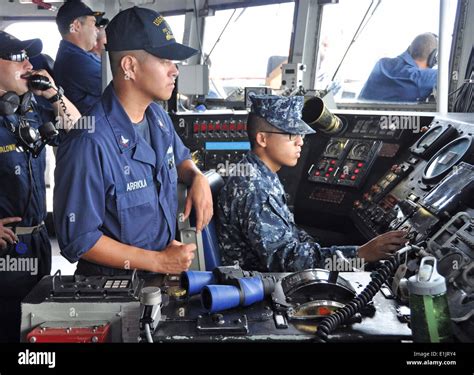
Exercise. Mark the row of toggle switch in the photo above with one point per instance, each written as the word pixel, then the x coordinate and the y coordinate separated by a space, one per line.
pixel 218 129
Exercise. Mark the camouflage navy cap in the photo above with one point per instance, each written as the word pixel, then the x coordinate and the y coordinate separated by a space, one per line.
pixel 283 112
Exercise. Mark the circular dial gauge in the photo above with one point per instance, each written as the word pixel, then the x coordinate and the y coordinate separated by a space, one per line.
pixel 433 140
pixel 442 162
pixel 359 151
pixel 334 148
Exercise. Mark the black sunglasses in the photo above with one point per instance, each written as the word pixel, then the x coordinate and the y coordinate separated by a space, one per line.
pixel 292 137
pixel 16 57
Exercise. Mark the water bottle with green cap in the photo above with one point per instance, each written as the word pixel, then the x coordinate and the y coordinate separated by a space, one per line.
pixel 430 320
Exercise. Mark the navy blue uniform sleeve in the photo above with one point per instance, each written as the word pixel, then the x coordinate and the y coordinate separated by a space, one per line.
pixel 181 152
pixel 427 79
pixel 82 82
pixel 89 76
pixel 348 251
pixel 276 241
pixel 79 197
pixel 45 109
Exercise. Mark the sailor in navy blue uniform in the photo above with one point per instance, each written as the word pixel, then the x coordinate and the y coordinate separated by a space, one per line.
pixel 115 204
pixel 409 77
pixel 76 69
pixel 25 250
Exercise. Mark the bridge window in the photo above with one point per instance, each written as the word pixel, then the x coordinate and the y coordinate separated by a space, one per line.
pixel 177 25
pixel 388 30
pixel 47 31
pixel 255 42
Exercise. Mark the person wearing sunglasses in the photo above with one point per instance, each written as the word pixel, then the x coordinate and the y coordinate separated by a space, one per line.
pixel 255 227
pixel 25 250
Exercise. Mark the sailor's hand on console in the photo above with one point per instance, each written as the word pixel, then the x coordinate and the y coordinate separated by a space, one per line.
pixel 381 247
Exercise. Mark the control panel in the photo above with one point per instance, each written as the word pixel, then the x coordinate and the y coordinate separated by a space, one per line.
pixel 421 182
pixel 340 170
pixel 400 199
pixel 344 162
pixel 381 127
pixel 215 138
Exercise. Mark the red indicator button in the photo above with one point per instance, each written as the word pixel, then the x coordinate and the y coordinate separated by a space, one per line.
pixel 323 311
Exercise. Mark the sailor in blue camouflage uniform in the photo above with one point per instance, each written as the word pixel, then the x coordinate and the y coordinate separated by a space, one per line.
pixel 255 225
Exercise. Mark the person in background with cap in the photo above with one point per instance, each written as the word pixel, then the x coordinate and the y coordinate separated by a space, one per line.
pixel 23 234
pixel 76 70
pixel 254 225
pixel 101 38
pixel 116 207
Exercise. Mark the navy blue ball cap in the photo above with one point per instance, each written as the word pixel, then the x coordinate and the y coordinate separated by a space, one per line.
pixel 72 10
pixel 101 21
pixel 283 112
pixel 144 29
pixel 11 45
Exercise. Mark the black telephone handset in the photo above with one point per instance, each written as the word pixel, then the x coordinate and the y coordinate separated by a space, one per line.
pixel 39 82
